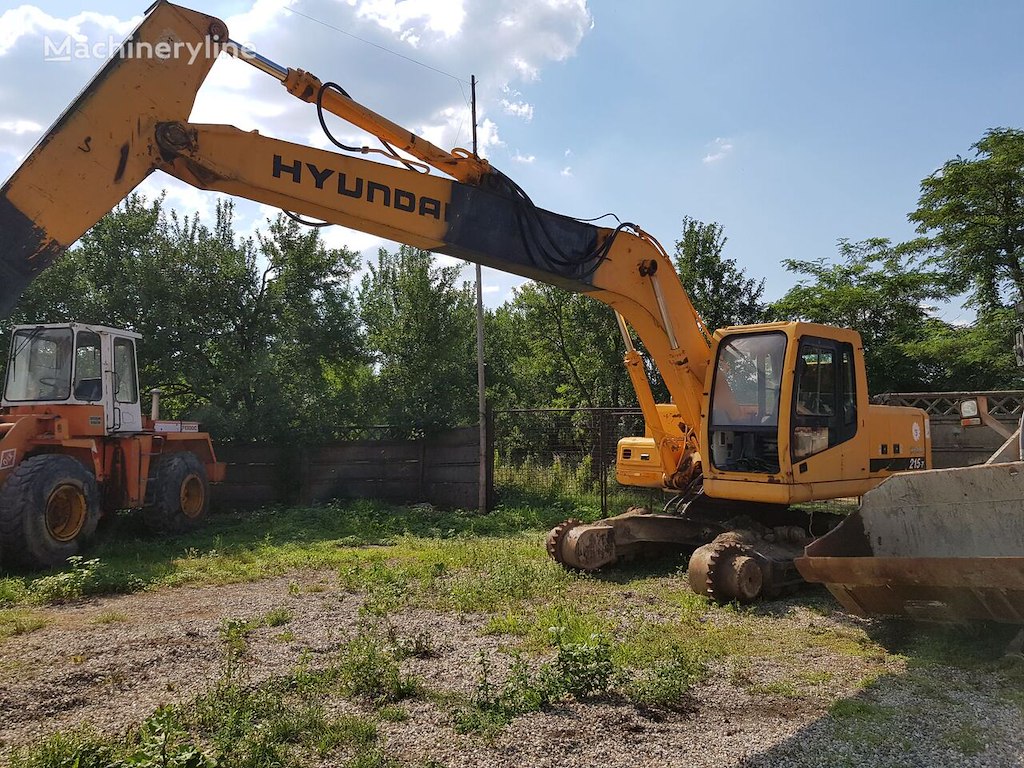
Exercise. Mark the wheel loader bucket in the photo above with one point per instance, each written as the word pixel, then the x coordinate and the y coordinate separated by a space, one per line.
pixel 102 146
pixel 941 545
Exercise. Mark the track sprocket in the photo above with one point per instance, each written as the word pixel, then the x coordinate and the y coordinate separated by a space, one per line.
pixel 726 570
pixel 555 537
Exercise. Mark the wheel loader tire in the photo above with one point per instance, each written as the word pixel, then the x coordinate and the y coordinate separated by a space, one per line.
pixel 181 493
pixel 49 508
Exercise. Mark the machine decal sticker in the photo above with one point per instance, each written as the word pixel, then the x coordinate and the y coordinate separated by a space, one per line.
pixel 7 458
pixel 917 432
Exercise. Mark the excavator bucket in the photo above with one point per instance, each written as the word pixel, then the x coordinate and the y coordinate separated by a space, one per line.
pixel 102 146
pixel 941 545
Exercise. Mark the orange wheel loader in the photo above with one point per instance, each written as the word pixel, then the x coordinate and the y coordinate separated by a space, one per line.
pixel 75 445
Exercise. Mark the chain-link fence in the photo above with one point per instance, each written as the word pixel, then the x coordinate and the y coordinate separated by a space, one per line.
pixel 550 455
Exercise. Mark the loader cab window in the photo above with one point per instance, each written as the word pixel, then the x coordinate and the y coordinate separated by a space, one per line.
pixel 40 365
pixel 88 368
pixel 744 423
pixel 825 397
pixel 125 380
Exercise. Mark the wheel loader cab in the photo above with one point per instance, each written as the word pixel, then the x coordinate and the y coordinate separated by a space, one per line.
pixel 788 418
pixel 76 364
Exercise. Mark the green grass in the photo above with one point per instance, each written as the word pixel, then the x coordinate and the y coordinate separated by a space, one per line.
pixel 533 623
pixel 635 634
pixel 283 721
pixel 277 617
pixel 236 547
pixel 110 617
pixel 393 714
pixel 20 622
pixel 666 683
pixel 579 670
pixel 368 668
pixel 968 739
pixel 860 710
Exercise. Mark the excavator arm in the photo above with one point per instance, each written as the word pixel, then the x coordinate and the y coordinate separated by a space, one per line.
pixel 132 119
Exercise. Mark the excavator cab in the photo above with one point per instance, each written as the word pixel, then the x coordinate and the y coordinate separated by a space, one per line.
pixel 74 364
pixel 788 418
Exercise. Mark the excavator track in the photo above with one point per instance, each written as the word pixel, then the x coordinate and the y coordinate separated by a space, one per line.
pixel 727 572
pixel 736 554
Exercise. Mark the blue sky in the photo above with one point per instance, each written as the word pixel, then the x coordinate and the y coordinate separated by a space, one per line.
pixel 793 124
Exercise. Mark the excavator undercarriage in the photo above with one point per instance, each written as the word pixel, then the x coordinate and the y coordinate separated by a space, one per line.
pixel 740 551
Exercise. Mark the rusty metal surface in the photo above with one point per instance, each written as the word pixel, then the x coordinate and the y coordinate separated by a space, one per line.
pixel 935 589
pixel 944 545
pixel 747 564
pixel 591 546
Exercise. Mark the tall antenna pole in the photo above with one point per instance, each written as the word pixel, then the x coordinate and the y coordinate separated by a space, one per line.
pixel 472 90
pixel 481 382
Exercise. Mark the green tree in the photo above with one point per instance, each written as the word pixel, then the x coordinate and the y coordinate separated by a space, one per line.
pixel 720 291
pixel 882 292
pixel 971 357
pixel 247 335
pixel 556 348
pixel 419 324
pixel 972 209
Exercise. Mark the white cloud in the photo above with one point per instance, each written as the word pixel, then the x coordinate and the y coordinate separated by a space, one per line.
pixel 32 22
pixel 409 18
pixel 518 109
pixel 567 171
pixel 42 89
pixel 19 127
pixel 525 69
pixel 718 149
pixel 183 198
pixel 447 35
pixel 521 158
pixel 490 289
pixel 353 239
pixel 444 260
pixel 523 38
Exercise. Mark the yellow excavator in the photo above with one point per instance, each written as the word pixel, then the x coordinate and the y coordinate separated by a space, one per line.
pixel 761 417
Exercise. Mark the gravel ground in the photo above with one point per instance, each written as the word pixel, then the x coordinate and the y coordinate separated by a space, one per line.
pixel 109 662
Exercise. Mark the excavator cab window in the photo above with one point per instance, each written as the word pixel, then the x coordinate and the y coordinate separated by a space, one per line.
pixel 745 403
pixel 40 365
pixel 825 397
